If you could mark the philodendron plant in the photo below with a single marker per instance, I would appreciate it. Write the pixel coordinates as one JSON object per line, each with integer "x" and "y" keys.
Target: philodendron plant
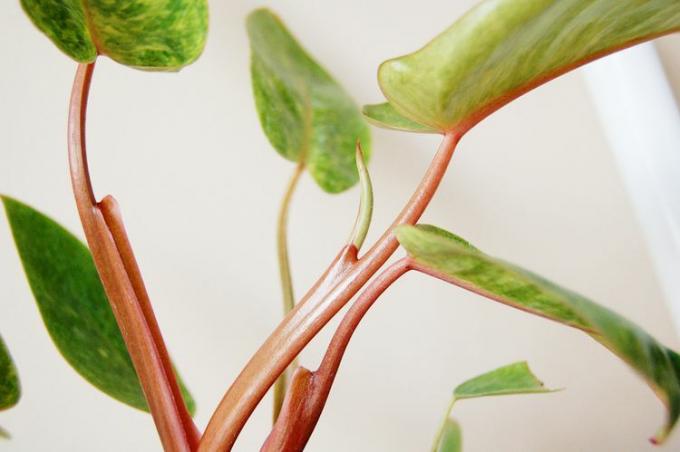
{"x": 93, "y": 298}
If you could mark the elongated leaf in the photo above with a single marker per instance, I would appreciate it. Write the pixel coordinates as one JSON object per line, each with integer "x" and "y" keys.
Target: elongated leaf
{"x": 514, "y": 378}
{"x": 305, "y": 114}
{"x": 451, "y": 439}
{"x": 452, "y": 259}
{"x": 148, "y": 34}
{"x": 73, "y": 304}
{"x": 10, "y": 390}
{"x": 503, "y": 48}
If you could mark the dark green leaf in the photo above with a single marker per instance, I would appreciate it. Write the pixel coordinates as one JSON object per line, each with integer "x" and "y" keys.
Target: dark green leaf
{"x": 305, "y": 114}
{"x": 147, "y": 34}
{"x": 451, "y": 439}
{"x": 515, "y": 378}
{"x": 73, "y": 304}
{"x": 10, "y": 390}
{"x": 503, "y": 48}
{"x": 436, "y": 252}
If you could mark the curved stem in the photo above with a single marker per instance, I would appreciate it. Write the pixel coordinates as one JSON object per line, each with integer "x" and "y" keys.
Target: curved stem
{"x": 285, "y": 275}
{"x": 309, "y": 391}
{"x": 442, "y": 425}
{"x": 319, "y": 305}
{"x": 123, "y": 285}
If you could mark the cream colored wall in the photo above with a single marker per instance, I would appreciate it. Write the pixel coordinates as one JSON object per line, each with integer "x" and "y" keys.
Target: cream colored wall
{"x": 199, "y": 187}
{"x": 669, "y": 49}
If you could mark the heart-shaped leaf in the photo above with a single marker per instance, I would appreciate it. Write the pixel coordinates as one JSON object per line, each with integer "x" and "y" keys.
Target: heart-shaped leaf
{"x": 73, "y": 304}
{"x": 501, "y": 49}
{"x": 306, "y": 115}
{"x": 147, "y": 34}
{"x": 452, "y": 259}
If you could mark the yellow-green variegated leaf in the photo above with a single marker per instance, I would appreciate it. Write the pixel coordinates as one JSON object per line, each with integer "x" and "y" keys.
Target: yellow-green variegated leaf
{"x": 502, "y": 48}
{"x": 452, "y": 259}
{"x": 147, "y": 34}
{"x": 306, "y": 115}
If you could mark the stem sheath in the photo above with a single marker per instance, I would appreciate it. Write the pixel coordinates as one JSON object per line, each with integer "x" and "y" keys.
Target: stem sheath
{"x": 123, "y": 285}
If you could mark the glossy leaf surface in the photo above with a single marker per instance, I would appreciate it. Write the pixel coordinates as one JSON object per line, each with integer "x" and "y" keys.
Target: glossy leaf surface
{"x": 451, "y": 439}
{"x": 450, "y": 258}
{"x": 305, "y": 114}
{"x": 73, "y": 304}
{"x": 503, "y": 48}
{"x": 10, "y": 390}
{"x": 148, "y": 34}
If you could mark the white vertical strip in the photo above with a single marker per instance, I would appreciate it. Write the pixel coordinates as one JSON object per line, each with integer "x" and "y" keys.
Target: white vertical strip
{"x": 641, "y": 121}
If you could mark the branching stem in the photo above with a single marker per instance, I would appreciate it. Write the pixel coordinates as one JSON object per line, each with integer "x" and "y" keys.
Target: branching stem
{"x": 335, "y": 288}
{"x": 310, "y": 390}
{"x": 124, "y": 286}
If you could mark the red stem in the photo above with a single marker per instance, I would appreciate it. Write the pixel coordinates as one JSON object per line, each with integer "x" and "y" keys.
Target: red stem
{"x": 309, "y": 390}
{"x": 338, "y": 285}
{"x": 123, "y": 285}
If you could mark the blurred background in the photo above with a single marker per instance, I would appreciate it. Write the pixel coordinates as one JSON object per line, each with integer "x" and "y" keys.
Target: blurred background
{"x": 199, "y": 185}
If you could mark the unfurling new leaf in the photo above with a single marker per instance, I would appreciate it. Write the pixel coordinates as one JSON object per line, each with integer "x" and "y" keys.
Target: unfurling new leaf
{"x": 452, "y": 259}
{"x": 73, "y": 304}
{"x": 306, "y": 115}
{"x": 146, "y": 34}
{"x": 503, "y": 48}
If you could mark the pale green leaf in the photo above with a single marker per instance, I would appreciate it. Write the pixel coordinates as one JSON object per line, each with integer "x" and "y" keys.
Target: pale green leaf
{"x": 305, "y": 114}
{"x": 147, "y": 34}
{"x": 436, "y": 252}
{"x": 514, "y": 378}
{"x": 451, "y": 439}
{"x": 384, "y": 115}
{"x": 73, "y": 304}
{"x": 502, "y": 48}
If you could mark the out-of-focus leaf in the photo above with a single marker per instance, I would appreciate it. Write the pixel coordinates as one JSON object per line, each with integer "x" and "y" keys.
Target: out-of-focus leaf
{"x": 501, "y": 49}
{"x": 73, "y": 304}
{"x": 305, "y": 114}
{"x": 437, "y": 253}
{"x": 384, "y": 115}
{"x": 451, "y": 439}
{"x": 147, "y": 34}
{"x": 514, "y": 378}
{"x": 10, "y": 390}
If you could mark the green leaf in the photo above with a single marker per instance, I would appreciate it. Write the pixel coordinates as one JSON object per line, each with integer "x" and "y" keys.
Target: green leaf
{"x": 147, "y": 34}
{"x": 384, "y": 115}
{"x": 515, "y": 378}
{"x": 306, "y": 115}
{"x": 451, "y": 439}
{"x": 10, "y": 390}
{"x": 73, "y": 304}
{"x": 501, "y": 49}
{"x": 434, "y": 251}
